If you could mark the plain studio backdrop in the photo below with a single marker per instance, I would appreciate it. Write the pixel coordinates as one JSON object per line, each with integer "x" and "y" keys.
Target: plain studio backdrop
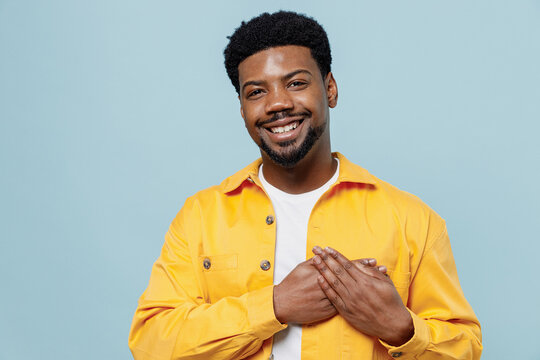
{"x": 112, "y": 113}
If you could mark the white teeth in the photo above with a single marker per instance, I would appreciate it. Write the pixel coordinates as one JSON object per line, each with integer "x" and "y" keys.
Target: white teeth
{"x": 282, "y": 129}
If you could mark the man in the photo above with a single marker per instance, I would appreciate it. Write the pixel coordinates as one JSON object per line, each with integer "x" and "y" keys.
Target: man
{"x": 233, "y": 282}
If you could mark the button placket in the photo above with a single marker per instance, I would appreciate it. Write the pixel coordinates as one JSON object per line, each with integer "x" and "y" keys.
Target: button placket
{"x": 268, "y": 241}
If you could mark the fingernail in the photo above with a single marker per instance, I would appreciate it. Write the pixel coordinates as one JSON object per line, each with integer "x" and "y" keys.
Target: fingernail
{"x": 364, "y": 261}
{"x": 329, "y": 250}
{"x": 317, "y": 250}
{"x": 316, "y": 259}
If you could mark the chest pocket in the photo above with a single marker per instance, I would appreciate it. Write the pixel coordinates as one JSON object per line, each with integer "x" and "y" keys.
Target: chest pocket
{"x": 402, "y": 282}
{"x": 220, "y": 273}
{"x": 213, "y": 263}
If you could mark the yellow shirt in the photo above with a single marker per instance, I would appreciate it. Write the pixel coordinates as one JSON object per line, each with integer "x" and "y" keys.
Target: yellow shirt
{"x": 210, "y": 292}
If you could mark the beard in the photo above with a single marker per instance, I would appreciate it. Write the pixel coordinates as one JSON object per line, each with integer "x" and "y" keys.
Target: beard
{"x": 291, "y": 154}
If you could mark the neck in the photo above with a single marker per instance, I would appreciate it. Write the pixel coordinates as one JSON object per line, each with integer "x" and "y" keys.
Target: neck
{"x": 310, "y": 173}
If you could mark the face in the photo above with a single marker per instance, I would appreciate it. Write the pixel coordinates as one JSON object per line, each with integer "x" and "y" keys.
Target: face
{"x": 285, "y": 103}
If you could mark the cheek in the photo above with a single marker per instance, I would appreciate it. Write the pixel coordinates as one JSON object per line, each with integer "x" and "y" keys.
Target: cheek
{"x": 252, "y": 130}
{"x": 251, "y": 116}
{"x": 314, "y": 101}
{"x": 252, "y": 112}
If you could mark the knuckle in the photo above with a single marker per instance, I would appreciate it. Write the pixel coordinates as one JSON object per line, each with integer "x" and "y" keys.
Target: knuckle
{"x": 338, "y": 270}
{"x": 325, "y": 286}
{"x": 348, "y": 265}
{"x": 335, "y": 282}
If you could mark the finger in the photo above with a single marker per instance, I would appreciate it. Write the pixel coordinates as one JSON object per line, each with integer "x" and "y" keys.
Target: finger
{"x": 371, "y": 263}
{"x": 331, "y": 278}
{"x": 331, "y": 294}
{"x": 366, "y": 261}
{"x": 338, "y": 274}
{"x": 347, "y": 264}
{"x": 339, "y": 266}
{"x": 355, "y": 272}
{"x": 370, "y": 269}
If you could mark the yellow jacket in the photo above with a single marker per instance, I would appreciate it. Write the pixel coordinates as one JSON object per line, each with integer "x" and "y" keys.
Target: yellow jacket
{"x": 210, "y": 292}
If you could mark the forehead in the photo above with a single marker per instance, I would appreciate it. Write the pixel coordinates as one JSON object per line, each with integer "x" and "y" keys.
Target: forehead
{"x": 275, "y": 62}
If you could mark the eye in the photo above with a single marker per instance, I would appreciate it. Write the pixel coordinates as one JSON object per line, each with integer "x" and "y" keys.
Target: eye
{"x": 254, "y": 93}
{"x": 297, "y": 83}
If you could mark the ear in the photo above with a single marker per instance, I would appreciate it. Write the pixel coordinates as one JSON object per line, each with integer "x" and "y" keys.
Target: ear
{"x": 331, "y": 90}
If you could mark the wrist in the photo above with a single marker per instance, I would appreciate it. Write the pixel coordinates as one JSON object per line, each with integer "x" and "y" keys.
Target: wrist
{"x": 278, "y": 313}
{"x": 402, "y": 332}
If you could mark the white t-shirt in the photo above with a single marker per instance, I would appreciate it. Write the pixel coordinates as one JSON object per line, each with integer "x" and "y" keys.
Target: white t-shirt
{"x": 292, "y": 215}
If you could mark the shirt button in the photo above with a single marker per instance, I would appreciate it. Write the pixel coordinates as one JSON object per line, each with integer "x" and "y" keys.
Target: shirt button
{"x": 206, "y": 263}
{"x": 269, "y": 219}
{"x": 265, "y": 265}
{"x": 396, "y": 354}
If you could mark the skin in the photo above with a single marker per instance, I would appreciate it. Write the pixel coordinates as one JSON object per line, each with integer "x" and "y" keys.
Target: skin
{"x": 281, "y": 86}
{"x": 283, "y": 80}
{"x": 365, "y": 297}
{"x": 300, "y": 299}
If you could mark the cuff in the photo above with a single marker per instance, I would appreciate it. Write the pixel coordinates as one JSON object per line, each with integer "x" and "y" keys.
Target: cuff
{"x": 416, "y": 345}
{"x": 261, "y": 313}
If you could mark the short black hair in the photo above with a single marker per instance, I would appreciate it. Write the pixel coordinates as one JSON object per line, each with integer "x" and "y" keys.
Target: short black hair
{"x": 278, "y": 29}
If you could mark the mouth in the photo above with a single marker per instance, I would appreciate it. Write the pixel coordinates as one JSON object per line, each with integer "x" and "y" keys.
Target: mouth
{"x": 284, "y": 128}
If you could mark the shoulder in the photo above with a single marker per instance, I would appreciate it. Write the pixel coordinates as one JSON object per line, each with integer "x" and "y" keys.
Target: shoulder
{"x": 417, "y": 219}
{"x": 402, "y": 200}
{"x": 215, "y": 197}
{"x": 227, "y": 187}
{"x": 382, "y": 191}
{"x": 411, "y": 214}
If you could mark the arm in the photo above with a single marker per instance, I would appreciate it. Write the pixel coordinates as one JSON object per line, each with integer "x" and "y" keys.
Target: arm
{"x": 444, "y": 322}
{"x": 437, "y": 321}
{"x": 172, "y": 321}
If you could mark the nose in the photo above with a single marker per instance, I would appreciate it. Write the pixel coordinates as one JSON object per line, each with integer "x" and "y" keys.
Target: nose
{"x": 279, "y": 99}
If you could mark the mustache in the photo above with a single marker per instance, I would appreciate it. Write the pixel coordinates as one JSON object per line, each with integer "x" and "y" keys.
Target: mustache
{"x": 282, "y": 115}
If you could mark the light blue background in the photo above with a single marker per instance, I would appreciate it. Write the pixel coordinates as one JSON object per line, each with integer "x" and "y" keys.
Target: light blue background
{"x": 113, "y": 112}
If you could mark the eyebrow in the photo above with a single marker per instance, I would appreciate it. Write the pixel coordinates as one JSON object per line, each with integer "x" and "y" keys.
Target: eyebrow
{"x": 284, "y": 77}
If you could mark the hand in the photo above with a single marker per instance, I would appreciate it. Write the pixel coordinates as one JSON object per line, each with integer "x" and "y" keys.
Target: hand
{"x": 299, "y": 298}
{"x": 364, "y": 296}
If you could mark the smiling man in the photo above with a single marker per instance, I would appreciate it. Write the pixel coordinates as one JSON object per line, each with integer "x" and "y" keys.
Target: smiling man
{"x": 302, "y": 254}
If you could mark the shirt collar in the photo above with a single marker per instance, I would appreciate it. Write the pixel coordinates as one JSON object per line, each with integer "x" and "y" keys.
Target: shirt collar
{"x": 348, "y": 172}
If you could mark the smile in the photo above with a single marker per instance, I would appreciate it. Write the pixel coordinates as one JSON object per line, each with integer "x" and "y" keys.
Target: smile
{"x": 286, "y": 128}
